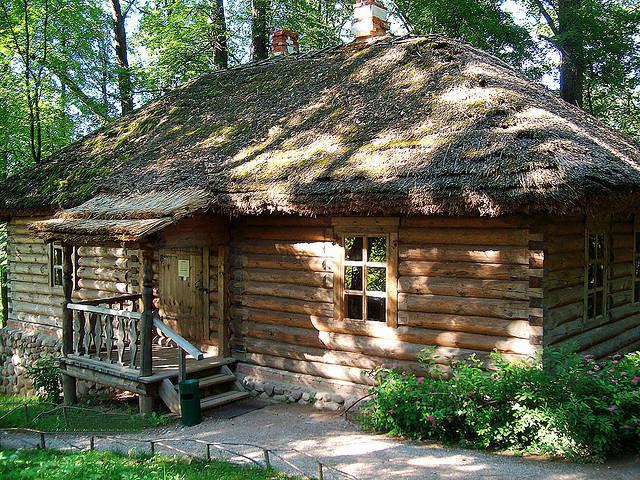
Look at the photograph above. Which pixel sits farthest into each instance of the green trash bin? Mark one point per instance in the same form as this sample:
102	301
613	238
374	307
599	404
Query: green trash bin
190	402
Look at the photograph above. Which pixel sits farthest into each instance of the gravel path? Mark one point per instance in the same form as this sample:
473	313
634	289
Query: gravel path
340	443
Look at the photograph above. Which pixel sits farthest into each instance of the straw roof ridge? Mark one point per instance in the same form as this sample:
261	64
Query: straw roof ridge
415	125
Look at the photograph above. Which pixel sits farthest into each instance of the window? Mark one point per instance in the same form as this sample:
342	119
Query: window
636	267
365	290
365	277
56	264
596	274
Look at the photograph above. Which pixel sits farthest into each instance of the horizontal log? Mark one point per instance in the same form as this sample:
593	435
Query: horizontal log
38	299
564	296
564	243
287	305
564	261
564	278
485	307
331	357
300	320
291	335
605	332
565	226
566	313
30	249
283	262
16	239
464	222
104	285
105	274
621	298
470	324
465	253
296	277
304	234
27	278
46	310
285	290
465	236
104	252
624	311
270	247
26	287
101	262
41	259
507	289
617	344
29	269
489	271
336	372
36	319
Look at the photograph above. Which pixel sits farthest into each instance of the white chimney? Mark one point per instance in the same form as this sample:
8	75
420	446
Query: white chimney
370	19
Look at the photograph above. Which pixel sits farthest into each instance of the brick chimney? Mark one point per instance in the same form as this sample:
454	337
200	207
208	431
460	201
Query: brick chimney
284	42
369	20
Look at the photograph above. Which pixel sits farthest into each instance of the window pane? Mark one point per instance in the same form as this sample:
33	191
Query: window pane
353	248
353	278
592	246
600	246
591	279
377	249
354	307
599	303
57	277
599	275
57	256
376	279
591	306
376	309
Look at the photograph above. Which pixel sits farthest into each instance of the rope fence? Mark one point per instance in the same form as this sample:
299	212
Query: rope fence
238	453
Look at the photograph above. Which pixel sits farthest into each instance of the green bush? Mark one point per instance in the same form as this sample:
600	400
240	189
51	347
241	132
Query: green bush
46	375
575	406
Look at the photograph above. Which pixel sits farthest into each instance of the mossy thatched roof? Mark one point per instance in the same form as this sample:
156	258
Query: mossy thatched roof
418	125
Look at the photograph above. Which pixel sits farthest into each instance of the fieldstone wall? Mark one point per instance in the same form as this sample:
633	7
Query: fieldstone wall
280	386
19	349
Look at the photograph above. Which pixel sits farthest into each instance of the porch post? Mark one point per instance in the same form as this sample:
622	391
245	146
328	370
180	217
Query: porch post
146	329
68	382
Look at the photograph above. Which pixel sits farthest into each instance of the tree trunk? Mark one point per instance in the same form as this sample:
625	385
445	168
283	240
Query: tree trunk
220	51
259	33
571	51
124	74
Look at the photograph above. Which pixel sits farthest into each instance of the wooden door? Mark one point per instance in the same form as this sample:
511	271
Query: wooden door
183	293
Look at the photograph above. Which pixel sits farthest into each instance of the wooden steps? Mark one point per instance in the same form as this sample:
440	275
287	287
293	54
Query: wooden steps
217	383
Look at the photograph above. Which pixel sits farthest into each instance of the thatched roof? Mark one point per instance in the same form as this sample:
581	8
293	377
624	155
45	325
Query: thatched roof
114	218
418	125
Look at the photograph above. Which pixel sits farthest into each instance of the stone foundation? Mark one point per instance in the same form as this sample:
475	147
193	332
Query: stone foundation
18	349
280	386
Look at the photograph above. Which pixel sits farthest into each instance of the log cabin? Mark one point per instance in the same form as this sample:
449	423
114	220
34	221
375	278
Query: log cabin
314	215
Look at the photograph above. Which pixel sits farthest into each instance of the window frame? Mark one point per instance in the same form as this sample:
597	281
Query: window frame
606	265
366	227
53	267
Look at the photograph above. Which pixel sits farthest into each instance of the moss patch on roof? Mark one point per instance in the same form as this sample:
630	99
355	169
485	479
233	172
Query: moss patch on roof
415	125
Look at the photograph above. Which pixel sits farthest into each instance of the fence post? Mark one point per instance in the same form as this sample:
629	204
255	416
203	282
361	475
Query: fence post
43	445
320	472
92	443
26	415
208	455
65	415
267	460
152	447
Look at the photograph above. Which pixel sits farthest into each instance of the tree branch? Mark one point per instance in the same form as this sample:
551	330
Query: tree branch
547	16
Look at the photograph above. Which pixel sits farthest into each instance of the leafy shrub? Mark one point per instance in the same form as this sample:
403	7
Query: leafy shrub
46	375
575	406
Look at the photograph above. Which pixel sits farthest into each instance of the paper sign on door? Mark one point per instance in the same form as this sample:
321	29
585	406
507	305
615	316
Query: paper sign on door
183	269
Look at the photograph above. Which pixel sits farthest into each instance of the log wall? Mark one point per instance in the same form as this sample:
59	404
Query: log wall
464	285
564	287
34	304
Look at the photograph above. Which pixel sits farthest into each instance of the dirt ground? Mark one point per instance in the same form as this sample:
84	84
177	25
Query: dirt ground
297	433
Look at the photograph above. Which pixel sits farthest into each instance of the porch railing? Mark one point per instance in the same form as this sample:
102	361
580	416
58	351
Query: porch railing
107	329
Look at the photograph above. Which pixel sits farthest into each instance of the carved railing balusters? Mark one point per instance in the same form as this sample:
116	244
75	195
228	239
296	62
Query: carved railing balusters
101	327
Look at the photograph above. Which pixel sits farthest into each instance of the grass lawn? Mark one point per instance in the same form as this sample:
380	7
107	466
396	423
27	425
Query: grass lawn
54	465
109	417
